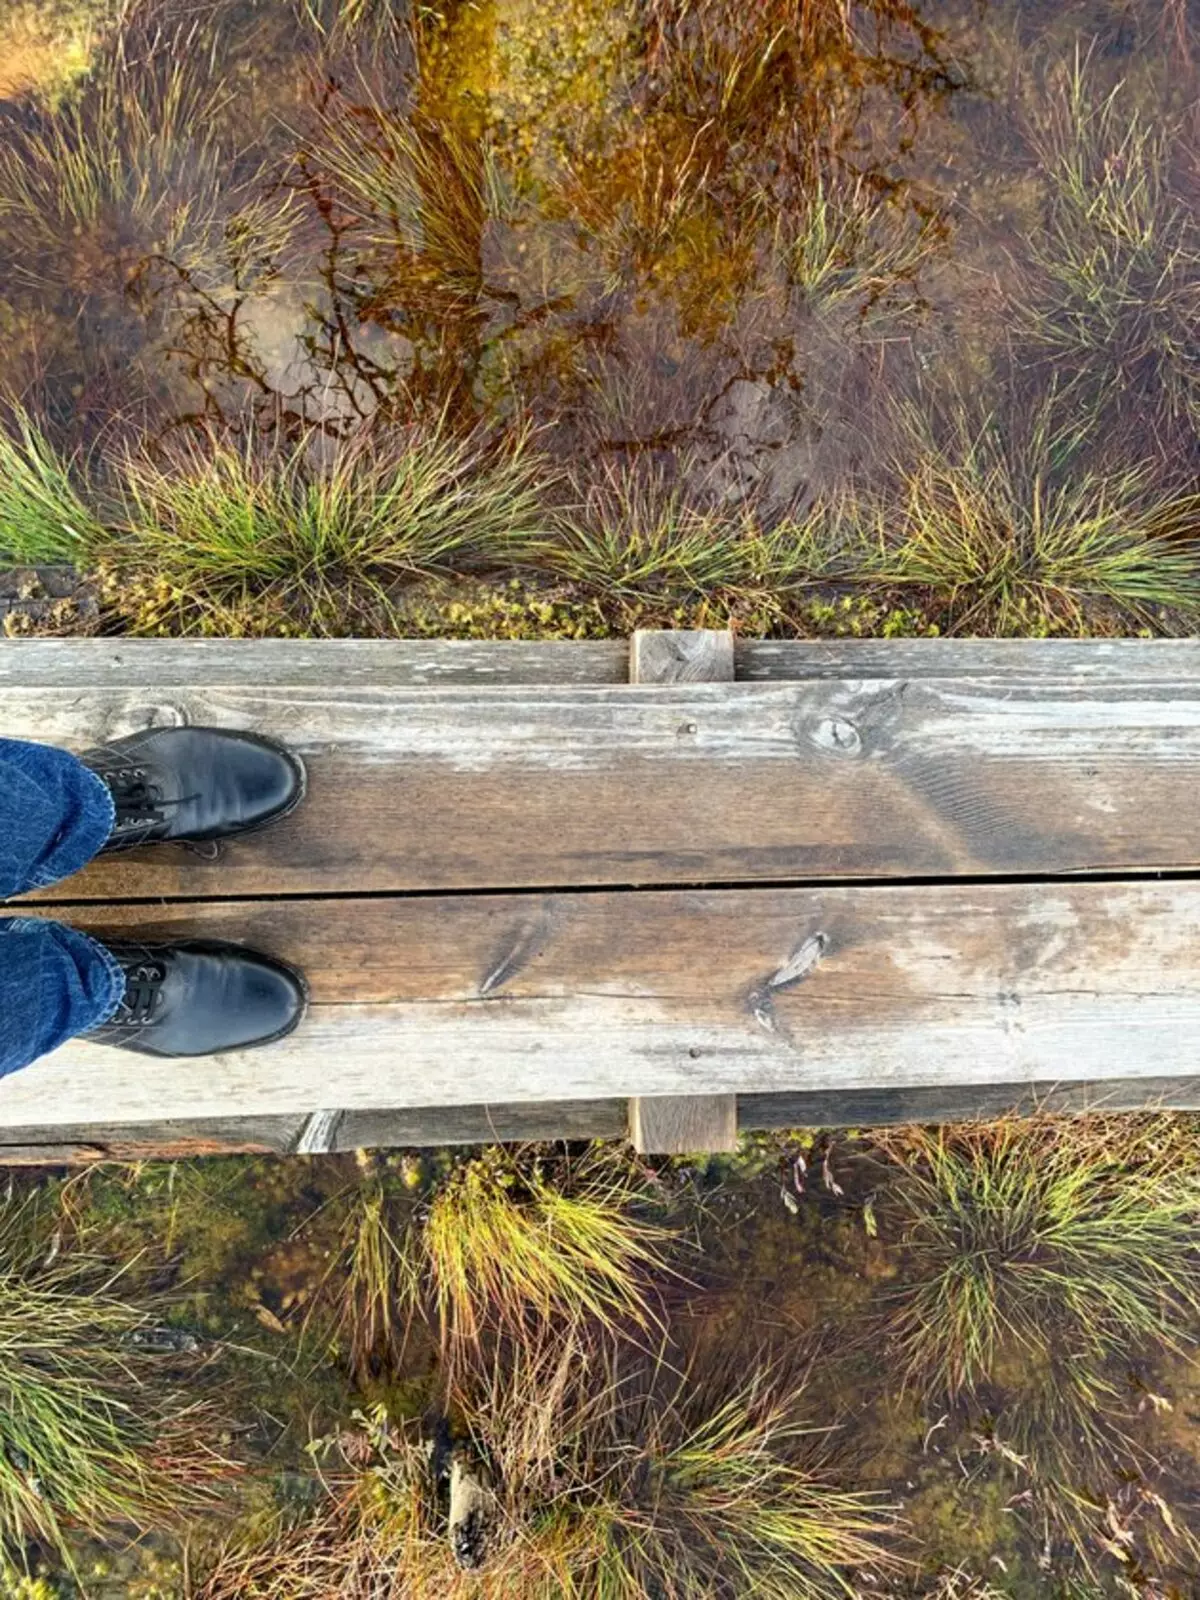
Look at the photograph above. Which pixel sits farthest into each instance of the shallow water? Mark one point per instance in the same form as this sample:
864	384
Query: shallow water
769	247
790	1259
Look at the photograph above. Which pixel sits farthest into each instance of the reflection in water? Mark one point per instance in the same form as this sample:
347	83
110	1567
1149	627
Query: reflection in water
734	242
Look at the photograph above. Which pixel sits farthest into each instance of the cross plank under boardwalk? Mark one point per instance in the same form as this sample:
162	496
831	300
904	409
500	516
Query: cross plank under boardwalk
850	885
679	1124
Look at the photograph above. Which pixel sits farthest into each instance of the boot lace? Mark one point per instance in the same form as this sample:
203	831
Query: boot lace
139	807
138	802
143	986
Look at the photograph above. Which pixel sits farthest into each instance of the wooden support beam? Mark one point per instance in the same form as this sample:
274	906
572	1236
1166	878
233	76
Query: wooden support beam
202	664
680	1124
87	1144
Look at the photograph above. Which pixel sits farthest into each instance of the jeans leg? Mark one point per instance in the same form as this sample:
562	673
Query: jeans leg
54	983
55	815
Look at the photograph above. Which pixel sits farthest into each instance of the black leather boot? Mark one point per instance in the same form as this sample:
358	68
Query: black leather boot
200	996
195	785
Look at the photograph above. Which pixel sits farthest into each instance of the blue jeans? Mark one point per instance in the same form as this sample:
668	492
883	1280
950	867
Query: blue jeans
54	982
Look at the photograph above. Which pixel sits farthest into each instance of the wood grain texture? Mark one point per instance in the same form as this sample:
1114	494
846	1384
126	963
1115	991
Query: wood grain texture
681	1124
1097	661
433	1002
462	788
699	655
581	1119
154	664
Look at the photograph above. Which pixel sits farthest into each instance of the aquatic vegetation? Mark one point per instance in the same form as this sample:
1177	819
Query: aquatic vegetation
89	1440
1045	1237
505	1244
1015	529
407	198
353	22
44	517
46	44
1117	312
695	1501
126	167
847	249
602	1492
1042	1261
380	1285
322	531
512	1239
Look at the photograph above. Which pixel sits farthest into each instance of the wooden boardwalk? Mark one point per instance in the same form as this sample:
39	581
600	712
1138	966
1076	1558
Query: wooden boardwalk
782	883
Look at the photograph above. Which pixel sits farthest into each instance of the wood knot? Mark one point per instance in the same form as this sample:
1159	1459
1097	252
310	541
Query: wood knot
803	961
837	735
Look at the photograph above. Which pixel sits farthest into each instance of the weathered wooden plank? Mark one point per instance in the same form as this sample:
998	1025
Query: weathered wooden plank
433	1002
666	1124
683	1124
584	1119
84	1143
875	1108
1096	661
155	664
699	655
431	789
400	663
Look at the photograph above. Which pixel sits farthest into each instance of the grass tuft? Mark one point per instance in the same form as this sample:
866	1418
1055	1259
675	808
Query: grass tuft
510	1239
89	1442
846	249
1014	533
607	1490
43	515
1118	313
1064	1243
129	161
508	1244
637	536
322	532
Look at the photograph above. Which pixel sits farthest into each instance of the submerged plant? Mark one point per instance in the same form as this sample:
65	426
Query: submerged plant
322	532
43	514
127	166
846	248
1014	531
1117	309
381	1283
